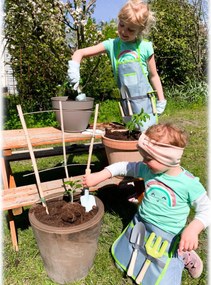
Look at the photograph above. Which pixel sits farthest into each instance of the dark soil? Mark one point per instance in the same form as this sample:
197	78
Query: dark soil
122	134
63	214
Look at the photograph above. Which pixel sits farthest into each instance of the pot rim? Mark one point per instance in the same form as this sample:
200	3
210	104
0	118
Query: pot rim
120	141
73	229
65	98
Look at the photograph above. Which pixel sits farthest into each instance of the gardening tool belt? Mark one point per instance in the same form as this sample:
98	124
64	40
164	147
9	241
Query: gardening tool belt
122	250
134	86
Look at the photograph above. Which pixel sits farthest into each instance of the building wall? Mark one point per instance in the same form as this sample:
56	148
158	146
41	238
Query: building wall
8	82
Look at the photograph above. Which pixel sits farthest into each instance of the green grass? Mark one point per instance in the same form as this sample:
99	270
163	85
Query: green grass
26	267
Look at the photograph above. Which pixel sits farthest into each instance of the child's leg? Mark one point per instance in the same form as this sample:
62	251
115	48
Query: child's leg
193	263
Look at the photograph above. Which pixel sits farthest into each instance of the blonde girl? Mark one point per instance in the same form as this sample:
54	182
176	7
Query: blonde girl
133	62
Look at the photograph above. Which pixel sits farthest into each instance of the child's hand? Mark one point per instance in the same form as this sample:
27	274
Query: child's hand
189	240
89	180
93	179
189	236
160	106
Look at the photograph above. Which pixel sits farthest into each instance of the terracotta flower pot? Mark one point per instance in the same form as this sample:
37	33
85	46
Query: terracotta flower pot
119	150
68	252
76	114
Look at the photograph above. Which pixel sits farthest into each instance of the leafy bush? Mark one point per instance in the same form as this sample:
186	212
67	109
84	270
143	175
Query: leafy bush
180	96
189	93
180	40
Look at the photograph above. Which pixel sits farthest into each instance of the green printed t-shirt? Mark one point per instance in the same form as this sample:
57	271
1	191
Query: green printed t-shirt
128	51
167	199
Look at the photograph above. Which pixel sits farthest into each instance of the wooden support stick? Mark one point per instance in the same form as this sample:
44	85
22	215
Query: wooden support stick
93	137
34	164
63	140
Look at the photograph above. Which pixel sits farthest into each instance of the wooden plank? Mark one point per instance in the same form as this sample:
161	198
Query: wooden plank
52	151
27	195
40	136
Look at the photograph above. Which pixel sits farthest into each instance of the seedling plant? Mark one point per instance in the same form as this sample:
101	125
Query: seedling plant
137	120
70	188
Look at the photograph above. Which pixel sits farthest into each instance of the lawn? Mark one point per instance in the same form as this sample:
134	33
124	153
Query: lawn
26	267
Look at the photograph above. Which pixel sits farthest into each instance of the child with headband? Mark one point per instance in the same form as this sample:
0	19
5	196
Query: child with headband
133	63
170	192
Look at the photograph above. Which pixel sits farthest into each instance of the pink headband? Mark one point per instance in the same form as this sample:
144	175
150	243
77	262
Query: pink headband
166	154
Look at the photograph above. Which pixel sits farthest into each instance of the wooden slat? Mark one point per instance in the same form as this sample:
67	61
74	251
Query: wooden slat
52	151
39	136
27	195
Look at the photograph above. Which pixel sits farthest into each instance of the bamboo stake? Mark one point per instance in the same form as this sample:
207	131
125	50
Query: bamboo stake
34	164
63	140
92	140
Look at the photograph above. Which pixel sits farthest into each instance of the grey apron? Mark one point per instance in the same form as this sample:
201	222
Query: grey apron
122	250
134	87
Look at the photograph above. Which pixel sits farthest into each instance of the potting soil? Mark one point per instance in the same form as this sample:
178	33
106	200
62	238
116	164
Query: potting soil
63	214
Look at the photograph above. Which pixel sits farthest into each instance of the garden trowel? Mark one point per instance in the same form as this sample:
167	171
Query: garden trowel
137	239
87	200
126	117
81	96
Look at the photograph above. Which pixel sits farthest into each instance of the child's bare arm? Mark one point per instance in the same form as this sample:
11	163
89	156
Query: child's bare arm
189	236
74	64
154	78
95	178
88	52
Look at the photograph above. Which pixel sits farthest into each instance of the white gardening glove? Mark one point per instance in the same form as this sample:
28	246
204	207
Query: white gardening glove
74	73
160	106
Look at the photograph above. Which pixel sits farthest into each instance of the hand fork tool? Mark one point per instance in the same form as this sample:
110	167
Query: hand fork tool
154	249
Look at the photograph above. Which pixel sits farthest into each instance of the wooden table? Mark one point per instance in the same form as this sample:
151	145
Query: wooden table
15	139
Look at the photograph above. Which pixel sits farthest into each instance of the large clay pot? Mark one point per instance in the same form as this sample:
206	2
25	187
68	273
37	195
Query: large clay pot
68	252
76	114
118	150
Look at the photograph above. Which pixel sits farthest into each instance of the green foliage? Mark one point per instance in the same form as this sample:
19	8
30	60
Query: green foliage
180	40
70	187
137	120
109	112
11	119
193	92
65	89
36	42
190	95
96	72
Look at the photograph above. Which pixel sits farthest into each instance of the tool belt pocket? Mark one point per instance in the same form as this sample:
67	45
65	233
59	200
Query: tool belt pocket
130	79
143	253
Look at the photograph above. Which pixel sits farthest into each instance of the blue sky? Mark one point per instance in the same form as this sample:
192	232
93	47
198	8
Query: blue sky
107	10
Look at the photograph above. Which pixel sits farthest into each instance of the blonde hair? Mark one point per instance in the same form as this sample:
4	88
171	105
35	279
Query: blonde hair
167	133
137	12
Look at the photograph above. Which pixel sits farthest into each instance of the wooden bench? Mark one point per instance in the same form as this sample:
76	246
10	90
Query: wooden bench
23	196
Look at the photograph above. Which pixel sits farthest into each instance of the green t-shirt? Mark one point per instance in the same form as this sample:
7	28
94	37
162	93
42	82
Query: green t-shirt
168	199
127	51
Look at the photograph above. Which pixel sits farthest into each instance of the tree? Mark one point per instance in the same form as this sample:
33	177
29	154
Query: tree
82	31
180	40
36	41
